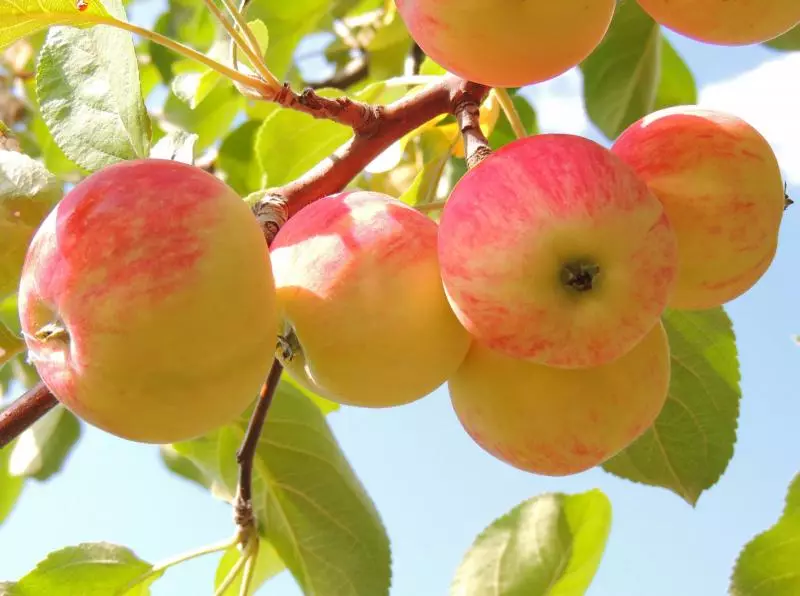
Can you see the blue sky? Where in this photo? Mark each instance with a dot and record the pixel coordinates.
(436, 489)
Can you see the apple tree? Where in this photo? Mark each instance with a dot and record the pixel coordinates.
(358, 232)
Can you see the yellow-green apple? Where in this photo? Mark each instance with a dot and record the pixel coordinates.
(726, 22)
(507, 44)
(555, 421)
(147, 301)
(359, 290)
(721, 187)
(552, 250)
(27, 194)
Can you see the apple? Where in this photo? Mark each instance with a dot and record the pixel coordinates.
(726, 22)
(721, 187)
(555, 421)
(147, 301)
(365, 315)
(552, 250)
(508, 44)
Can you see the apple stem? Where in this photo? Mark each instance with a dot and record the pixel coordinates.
(243, 504)
(580, 275)
(476, 146)
(24, 411)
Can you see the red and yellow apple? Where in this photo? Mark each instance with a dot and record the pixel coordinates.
(552, 250)
(554, 421)
(359, 291)
(147, 301)
(721, 187)
(507, 44)
(726, 22)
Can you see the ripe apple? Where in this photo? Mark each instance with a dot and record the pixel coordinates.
(358, 287)
(507, 44)
(147, 301)
(726, 22)
(554, 421)
(552, 250)
(27, 194)
(721, 187)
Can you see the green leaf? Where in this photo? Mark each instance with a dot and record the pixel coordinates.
(621, 76)
(287, 23)
(212, 117)
(176, 145)
(90, 95)
(268, 565)
(185, 20)
(423, 189)
(676, 86)
(237, 159)
(21, 18)
(42, 449)
(10, 344)
(550, 545)
(768, 564)
(90, 569)
(308, 501)
(10, 486)
(788, 42)
(28, 192)
(183, 466)
(691, 442)
(289, 143)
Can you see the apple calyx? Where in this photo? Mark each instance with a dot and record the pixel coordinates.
(288, 346)
(580, 275)
(52, 332)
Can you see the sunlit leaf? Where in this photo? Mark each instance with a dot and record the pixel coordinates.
(691, 442)
(550, 545)
(90, 96)
(20, 18)
(768, 565)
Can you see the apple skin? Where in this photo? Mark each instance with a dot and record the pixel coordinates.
(160, 276)
(726, 22)
(557, 422)
(508, 44)
(514, 224)
(357, 279)
(721, 186)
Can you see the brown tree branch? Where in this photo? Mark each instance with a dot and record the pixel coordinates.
(24, 411)
(361, 117)
(395, 120)
(476, 146)
(243, 505)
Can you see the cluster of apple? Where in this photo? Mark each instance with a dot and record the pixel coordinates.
(539, 297)
(151, 303)
(512, 44)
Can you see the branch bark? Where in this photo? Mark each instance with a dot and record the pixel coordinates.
(24, 411)
(243, 506)
(395, 120)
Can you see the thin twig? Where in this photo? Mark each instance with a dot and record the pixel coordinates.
(243, 505)
(249, 569)
(257, 57)
(24, 411)
(161, 567)
(251, 52)
(510, 110)
(237, 568)
(261, 87)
